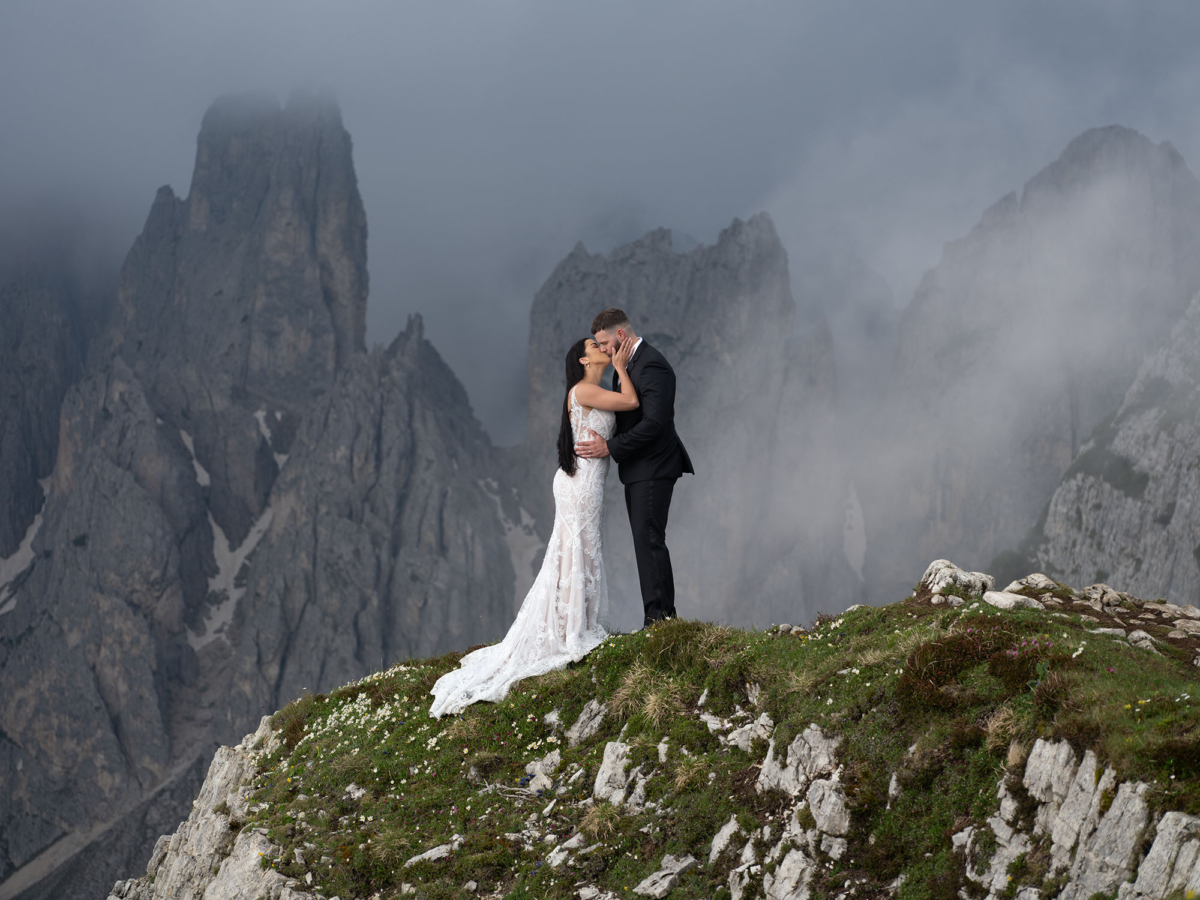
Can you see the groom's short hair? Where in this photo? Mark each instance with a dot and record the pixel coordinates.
(610, 320)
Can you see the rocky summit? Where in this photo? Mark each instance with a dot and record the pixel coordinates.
(1031, 742)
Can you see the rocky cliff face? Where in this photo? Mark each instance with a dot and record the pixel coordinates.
(244, 503)
(754, 406)
(1023, 338)
(41, 355)
(390, 507)
(243, 300)
(1126, 507)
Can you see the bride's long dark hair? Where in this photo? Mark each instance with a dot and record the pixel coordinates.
(566, 439)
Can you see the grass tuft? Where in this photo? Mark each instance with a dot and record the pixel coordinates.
(601, 821)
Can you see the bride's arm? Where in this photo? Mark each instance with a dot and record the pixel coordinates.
(598, 398)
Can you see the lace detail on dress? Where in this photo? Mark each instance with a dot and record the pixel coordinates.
(565, 614)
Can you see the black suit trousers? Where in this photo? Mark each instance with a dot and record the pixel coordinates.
(648, 503)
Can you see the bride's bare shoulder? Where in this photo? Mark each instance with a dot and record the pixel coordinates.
(589, 396)
(581, 400)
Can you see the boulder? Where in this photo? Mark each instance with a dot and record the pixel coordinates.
(441, 851)
(744, 737)
(739, 879)
(587, 724)
(790, 880)
(827, 801)
(1103, 594)
(1006, 600)
(1171, 609)
(1035, 582)
(611, 779)
(809, 756)
(542, 771)
(943, 577)
(833, 847)
(560, 853)
(637, 794)
(723, 838)
(663, 881)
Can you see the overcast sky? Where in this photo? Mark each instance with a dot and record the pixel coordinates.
(489, 137)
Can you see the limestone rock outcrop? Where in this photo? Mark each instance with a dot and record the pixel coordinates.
(1094, 828)
(761, 521)
(1023, 339)
(210, 854)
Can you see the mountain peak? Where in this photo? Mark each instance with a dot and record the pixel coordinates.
(245, 105)
(1110, 151)
(1105, 137)
(759, 225)
(267, 254)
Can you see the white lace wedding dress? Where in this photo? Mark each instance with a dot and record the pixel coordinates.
(565, 614)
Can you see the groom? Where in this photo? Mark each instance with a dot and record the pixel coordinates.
(650, 458)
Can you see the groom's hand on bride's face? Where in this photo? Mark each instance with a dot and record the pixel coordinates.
(593, 449)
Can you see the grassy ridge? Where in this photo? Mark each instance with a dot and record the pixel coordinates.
(948, 700)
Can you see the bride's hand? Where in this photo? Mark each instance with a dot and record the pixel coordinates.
(621, 358)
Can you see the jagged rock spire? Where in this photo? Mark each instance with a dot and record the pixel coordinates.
(256, 282)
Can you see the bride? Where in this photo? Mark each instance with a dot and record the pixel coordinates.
(565, 614)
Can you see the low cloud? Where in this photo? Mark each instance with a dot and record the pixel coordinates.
(489, 138)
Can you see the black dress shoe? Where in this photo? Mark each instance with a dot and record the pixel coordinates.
(662, 618)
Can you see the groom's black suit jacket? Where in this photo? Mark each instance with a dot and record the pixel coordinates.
(645, 445)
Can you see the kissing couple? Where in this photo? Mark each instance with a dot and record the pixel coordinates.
(565, 614)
